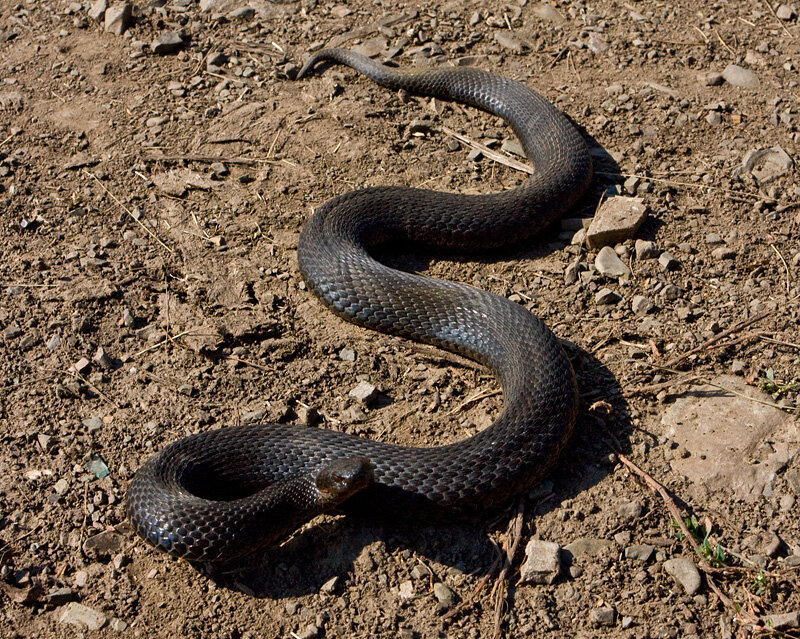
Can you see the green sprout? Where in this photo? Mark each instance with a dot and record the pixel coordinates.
(769, 385)
(713, 555)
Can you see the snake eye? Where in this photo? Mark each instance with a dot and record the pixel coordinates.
(344, 477)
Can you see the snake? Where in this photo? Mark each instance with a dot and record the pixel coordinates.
(224, 494)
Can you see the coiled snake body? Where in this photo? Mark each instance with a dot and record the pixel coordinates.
(221, 494)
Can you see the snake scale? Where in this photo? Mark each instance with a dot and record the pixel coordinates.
(222, 494)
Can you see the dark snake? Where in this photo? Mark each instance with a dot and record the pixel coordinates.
(221, 494)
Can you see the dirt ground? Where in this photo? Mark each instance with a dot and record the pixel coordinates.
(152, 192)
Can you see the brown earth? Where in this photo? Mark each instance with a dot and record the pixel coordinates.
(120, 233)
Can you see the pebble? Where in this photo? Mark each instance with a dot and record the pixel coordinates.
(445, 596)
(766, 164)
(347, 355)
(102, 358)
(588, 546)
(513, 147)
(671, 292)
(107, 542)
(668, 262)
(713, 118)
(61, 486)
(81, 578)
(311, 631)
(740, 77)
(606, 296)
(603, 616)
(83, 616)
(641, 305)
(329, 587)
(617, 220)
(639, 552)
(307, 415)
(242, 13)
(723, 253)
(118, 18)
(509, 41)
(630, 510)
(365, 393)
(646, 250)
(783, 621)
(785, 12)
(54, 342)
(608, 263)
(542, 562)
(120, 561)
(167, 42)
(685, 573)
(118, 624)
(59, 596)
(98, 10)
(571, 273)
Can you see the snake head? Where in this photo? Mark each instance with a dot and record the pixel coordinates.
(343, 478)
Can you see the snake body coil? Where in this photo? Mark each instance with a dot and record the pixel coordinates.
(225, 493)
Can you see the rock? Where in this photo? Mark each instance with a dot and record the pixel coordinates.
(120, 561)
(98, 10)
(608, 264)
(668, 262)
(445, 596)
(784, 621)
(167, 42)
(602, 616)
(723, 253)
(365, 393)
(81, 578)
(641, 305)
(740, 77)
(588, 546)
(59, 596)
(639, 552)
(307, 415)
(548, 12)
(311, 631)
(242, 13)
(61, 486)
(118, 624)
(713, 118)
(406, 590)
(118, 18)
(606, 296)
(83, 616)
(766, 164)
(512, 146)
(785, 12)
(509, 41)
(683, 570)
(329, 587)
(617, 220)
(105, 543)
(711, 79)
(102, 358)
(597, 43)
(542, 562)
(630, 510)
(347, 355)
(646, 250)
(571, 273)
(420, 126)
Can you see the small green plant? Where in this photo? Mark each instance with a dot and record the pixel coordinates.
(759, 584)
(769, 385)
(713, 555)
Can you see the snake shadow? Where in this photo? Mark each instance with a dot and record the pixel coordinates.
(342, 548)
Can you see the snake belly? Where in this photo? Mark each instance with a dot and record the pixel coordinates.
(229, 492)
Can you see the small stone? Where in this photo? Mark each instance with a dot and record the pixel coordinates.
(627, 622)
(93, 423)
(218, 169)
(785, 12)
(774, 545)
(445, 596)
(632, 183)
(118, 624)
(120, 560)
(683, 570)
(102, 358)
(711, 79)
(740, 77)
(12, 332)
(509, 41)
(606, 296)
(630, 510)
(420, 127)
(608, 264)
(641, 305)
(347, 355)
(588, 546)
(639, 552)
(546, 11)
(365, 393)
(59, 596)
(311, 631)
(571, 273)
(515, 148)
(617, 220)
(713, 118)
(167, 42)
(602, 616)
(307, 415)
(420, 571)
(597, 43)
(723, 253)
(81, 578)
(61, 486)
(187, 389)
(54, 342)
(406, 589)
(82, 616)
(646, 250)
(784, 621)
(542, 562)
(105, 543)
(242, 13)
(671, 292)
(766, 164)
(329, 587)
(668, 262)
(98, 10)
(118, 18)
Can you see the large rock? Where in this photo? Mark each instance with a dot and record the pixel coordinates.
(617, 220)
(608, 264)
(726, 435)
(82, 616)
(685, 573)
(740, 77)
(118, 18)
(542, 562)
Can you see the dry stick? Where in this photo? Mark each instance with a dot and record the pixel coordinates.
(162, 342)
(734, 329)
(130, 213)
(189, 157)
(512, 543)
(785, 266)
(470, 401)
(724, 44)
(469, 599)
(777, 341)
(493, 155)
